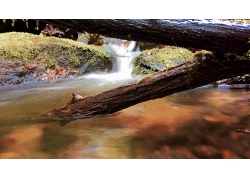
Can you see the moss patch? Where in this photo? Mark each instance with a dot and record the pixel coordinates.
(50, 51)
(28, 58)
(157, 59)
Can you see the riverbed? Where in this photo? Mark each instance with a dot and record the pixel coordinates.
(198, 123)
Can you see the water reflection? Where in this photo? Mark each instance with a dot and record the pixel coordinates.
(199, 123)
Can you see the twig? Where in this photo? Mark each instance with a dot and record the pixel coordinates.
(243, 130)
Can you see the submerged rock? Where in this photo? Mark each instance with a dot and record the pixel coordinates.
(27, 57)
(207, 152)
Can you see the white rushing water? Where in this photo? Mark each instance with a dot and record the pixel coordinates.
(123, 53)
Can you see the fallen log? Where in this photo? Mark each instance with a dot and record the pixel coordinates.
(213, 35)
(21, 25)
(186, 76)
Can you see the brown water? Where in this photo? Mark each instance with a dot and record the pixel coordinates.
(202, 120)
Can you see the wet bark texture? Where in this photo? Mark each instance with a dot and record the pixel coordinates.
(183, 77)
(220, 35)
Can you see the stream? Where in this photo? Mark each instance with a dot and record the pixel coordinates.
(198, 123)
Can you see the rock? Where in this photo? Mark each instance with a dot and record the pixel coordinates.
(207, 152)
(227, 154)
(31, 66)
(154, 60)
(24, 58)
(166, 153)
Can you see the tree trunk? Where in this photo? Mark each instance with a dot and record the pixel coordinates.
(183, 77)
(214, 35)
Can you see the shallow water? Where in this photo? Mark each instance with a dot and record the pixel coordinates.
(198, 123)
(182, 122)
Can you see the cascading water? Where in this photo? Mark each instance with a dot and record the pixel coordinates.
(123, 53)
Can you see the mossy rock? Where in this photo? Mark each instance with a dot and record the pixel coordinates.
(154, 60)
(53, 52)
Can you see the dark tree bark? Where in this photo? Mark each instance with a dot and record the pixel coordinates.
(183, 77)
(19, 25)
(220, 35)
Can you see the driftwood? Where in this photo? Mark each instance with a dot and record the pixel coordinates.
(243, 131)
(183, 77)
(213, 35)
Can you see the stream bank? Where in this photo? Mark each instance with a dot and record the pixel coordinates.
(28, 58)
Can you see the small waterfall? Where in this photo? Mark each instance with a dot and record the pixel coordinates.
(123, 52)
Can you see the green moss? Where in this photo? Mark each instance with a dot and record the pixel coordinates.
(144, 78)
(13, 22)
(158, 59)
(37, 25)
(203, 53)
(50, 51)
(154, 60)
(220, 58)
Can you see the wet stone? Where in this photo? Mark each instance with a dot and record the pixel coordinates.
(17, 71)
(31, 66)
(18, 63)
